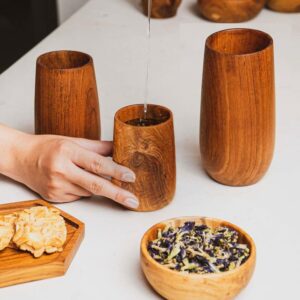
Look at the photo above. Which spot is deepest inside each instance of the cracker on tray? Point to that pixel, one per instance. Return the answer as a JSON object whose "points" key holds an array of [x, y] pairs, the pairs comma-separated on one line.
{"points": [[6, 229], [40, 229]]}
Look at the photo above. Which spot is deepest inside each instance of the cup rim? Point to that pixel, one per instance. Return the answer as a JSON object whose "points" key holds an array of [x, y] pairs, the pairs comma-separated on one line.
{"points": [[169, 119], [41, 64], [240, 29], [250, 261]]}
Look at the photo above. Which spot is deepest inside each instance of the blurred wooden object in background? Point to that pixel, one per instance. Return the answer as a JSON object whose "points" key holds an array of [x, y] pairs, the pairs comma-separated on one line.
{"points": [[230, 11], [284, 5], [161, 9]]}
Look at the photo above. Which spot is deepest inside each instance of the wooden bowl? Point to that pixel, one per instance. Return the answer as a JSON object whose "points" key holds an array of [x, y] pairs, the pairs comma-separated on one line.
{"points": [[284, 5], [161, 9], [174, 285], [230, 11]]}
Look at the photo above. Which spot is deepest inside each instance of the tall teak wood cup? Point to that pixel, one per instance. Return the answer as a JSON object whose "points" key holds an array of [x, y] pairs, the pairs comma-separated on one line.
{"points": [[66, 98], [150, 152], [238, 106]]}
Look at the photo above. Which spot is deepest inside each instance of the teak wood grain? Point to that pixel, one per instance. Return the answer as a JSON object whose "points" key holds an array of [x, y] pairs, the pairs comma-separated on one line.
{"points": [[66, 97], [237, 133], [175, 285], [150, 152], [162, 9], [284, 5], [230, 11], [20, 267]]}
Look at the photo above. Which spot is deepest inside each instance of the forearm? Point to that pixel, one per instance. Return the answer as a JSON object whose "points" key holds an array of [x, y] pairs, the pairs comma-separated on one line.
{"points": [[10, 143]]}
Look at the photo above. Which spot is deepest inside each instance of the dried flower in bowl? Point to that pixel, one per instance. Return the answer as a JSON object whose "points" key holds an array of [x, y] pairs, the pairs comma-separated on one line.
{"points": [[198, 249]]}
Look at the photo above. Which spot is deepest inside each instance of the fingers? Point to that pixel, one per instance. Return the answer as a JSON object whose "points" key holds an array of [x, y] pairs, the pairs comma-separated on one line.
{"points": [[102, 166], [73, 189], [102, 187], [63, 199], [67, 192], [101, 147]]}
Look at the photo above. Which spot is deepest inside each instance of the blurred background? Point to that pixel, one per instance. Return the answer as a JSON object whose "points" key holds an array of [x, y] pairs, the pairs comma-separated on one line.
{"points": [[23, 23]]}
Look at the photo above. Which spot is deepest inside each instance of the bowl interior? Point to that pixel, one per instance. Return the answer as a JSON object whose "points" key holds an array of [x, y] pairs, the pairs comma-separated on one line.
{"points": [[179, 285], [239, 41], [151, 234], [64, 59], [133, 112]]}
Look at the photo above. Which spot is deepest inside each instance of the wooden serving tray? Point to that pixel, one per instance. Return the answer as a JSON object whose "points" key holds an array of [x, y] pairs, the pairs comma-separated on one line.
{"points": [[19, 267]]}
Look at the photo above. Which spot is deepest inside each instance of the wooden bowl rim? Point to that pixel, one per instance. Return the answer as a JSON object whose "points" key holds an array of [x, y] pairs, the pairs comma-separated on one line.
{"points": [[247, 264], [89, 60], [256, 31], [170, 118]]}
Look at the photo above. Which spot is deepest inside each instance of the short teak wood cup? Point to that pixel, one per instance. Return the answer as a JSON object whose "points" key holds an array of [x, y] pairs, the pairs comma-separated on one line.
{"points": [[174, 285], [161, 9], [237, 133], [289, 6], [230, 11], [149, 151], [66, 97]]}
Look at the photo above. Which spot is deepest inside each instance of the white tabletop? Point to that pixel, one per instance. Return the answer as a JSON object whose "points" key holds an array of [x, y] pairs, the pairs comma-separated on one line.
{"points": [[113, 32]]}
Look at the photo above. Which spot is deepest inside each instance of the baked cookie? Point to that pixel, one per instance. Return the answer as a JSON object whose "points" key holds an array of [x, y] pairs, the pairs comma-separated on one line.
{"points": [[40, 229], [6, 229]]}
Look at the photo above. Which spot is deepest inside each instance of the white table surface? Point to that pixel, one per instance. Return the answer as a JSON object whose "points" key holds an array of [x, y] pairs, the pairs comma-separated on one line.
{"points": [[113, 32]]}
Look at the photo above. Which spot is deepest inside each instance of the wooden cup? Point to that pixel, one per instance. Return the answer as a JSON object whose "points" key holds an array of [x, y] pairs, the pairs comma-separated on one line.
{"points": [[289, 6], [238, 106], [230, 11], [150, 152], [66, 98], [161, 9]]}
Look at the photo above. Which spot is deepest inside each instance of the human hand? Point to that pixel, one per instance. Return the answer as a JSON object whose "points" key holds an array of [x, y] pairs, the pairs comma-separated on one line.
{"points": [[63, 169]]}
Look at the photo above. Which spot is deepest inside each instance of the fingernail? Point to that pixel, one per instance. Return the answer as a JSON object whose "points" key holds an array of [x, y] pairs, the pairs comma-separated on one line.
{"points": [[128, 177], [131, 202]]}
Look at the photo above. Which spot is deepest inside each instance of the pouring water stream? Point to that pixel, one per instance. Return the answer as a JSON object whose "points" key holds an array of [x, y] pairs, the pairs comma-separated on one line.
{"points": [[148, 59]]}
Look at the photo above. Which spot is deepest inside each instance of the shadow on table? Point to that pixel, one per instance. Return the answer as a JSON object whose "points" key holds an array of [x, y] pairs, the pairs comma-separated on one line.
{"points": [[188, 156], [99, 201], [136, 4], [5, 179], [146, 284]]}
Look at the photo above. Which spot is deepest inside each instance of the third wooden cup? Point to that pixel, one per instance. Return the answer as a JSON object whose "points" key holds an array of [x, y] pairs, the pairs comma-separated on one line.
{"points": [[149, 151]]}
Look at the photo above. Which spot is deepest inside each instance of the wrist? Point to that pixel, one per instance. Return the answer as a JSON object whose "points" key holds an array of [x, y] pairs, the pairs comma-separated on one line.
{"points": [[12, 148]]}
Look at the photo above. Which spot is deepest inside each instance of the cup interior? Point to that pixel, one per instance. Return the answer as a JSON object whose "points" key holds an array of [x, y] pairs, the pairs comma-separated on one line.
{"points": [[239, 41], [64, 60], [134, 112]]}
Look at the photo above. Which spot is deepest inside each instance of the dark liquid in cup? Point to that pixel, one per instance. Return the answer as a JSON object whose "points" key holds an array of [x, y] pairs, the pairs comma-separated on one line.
{"points": [[144, 122]]}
